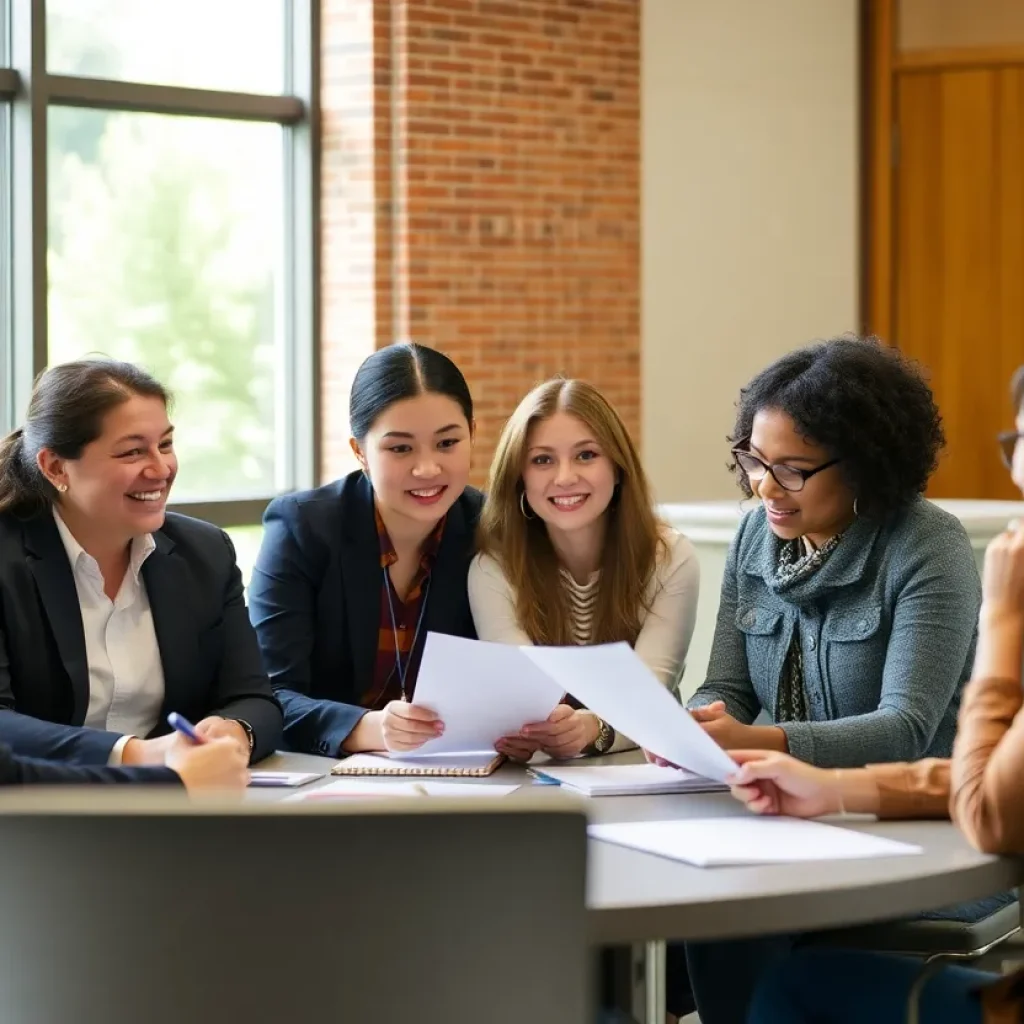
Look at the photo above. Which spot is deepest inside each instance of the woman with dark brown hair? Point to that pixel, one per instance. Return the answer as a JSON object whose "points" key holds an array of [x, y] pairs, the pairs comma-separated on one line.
{"points": [[114, 611]]}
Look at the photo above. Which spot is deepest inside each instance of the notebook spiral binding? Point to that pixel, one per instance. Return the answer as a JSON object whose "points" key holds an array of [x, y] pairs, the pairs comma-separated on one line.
{"points": [[488, 769]]}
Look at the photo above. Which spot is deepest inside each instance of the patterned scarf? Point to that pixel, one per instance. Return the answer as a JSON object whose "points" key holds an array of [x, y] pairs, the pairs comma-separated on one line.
{"points": [[796, 564]]}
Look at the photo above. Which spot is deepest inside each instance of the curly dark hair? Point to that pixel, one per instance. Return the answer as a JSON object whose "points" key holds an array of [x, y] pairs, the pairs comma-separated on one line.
{"points": [[866, 404]]}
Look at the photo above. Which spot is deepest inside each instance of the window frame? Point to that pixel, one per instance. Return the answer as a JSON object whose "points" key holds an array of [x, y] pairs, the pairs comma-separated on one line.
{"points": [[29, 91]]}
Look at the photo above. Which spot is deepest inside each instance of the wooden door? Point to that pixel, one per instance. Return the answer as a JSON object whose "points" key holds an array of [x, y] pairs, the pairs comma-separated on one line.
{"points": [[959, 257], [945, 215]]}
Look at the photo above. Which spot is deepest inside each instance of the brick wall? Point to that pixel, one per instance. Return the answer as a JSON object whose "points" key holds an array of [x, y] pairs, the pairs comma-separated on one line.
{"points": [[348, 213], [508, 235]]}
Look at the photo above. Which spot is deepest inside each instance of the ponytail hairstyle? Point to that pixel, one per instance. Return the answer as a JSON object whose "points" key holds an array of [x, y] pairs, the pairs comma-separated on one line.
{"points": [[65, 413]]}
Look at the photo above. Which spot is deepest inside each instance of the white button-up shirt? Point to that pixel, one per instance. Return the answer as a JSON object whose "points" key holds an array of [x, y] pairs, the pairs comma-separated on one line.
{"points": [[126, 676]]}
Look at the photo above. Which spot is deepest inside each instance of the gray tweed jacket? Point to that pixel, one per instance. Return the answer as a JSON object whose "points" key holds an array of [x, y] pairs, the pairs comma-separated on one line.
{"points": [[888, 627]]}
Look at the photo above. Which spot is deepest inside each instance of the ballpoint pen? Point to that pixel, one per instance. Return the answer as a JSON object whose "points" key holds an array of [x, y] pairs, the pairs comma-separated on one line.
{"points": [[181, 724]]}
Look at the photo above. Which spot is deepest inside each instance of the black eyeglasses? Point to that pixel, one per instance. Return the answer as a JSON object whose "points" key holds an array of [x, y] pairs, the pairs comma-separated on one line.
{"points": [[1008, 441], [789, 478]]}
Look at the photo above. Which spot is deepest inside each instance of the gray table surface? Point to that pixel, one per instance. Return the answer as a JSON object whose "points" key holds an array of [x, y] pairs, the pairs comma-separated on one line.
{"points": [[637, 897]]}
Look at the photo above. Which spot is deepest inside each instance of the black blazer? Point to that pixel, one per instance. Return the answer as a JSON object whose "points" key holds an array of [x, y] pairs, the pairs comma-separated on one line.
{"points": [[314, 599], [21, 771], [208, 650]]}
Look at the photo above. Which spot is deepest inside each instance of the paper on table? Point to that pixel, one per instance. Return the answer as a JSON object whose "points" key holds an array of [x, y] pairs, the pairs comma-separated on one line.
{"points": [[468, 789], [283, 780], [629, 779], [615, 684], [481, 691], [348, 788], [719, 842]]}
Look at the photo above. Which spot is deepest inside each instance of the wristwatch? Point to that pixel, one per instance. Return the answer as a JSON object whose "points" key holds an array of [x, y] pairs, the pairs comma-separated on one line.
{"points": [[251, 736], [603, 741]]}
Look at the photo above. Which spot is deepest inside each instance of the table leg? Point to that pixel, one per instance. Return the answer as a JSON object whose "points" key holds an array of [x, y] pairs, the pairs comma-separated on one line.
{"points": [[654, 982], [649, 972]]}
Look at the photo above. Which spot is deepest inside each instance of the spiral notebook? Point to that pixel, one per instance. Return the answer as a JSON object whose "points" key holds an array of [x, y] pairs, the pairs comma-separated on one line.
{"points": [[476, 764]]}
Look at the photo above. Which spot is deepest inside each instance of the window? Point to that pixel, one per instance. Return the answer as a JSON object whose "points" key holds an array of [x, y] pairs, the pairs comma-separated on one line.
{"points": [[205, 44], [246, 540], [163, 194], [164, 249]]}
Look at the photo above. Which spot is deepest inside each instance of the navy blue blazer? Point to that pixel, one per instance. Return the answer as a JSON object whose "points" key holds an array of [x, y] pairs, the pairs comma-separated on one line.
{"points": [[208, 651], [22, 771], [314, 599]]}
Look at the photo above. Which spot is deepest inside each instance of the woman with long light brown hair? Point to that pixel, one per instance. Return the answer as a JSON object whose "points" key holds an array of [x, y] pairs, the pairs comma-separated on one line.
{"points": [[572, 552]]}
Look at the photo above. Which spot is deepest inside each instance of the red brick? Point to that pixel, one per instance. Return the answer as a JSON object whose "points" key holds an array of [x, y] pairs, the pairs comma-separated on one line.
{"points": [[516, 243]]}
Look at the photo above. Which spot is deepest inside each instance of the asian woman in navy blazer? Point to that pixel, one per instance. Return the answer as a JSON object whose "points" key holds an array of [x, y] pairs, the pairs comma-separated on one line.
{"points": [[113, 612], [353, 575]]}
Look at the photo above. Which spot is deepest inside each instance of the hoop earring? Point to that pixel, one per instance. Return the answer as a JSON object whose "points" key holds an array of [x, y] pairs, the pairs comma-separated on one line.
{"points": [[62, 488], [855, 512], [522, 507]]}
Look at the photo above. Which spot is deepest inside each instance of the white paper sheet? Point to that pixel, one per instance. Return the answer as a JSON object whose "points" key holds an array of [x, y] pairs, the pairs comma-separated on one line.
{"points": [[628, 779], [282, 780], [481, 691], [345, 789], [719, 842], [614, 683]]}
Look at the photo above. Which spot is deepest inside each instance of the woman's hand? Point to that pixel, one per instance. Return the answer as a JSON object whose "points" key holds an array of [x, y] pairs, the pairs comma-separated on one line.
{"points": [[1003, 577], [772, 783], [406, 726], [707, 713], [218, 764], [730, 734], [154, 751], [214, 728], [566, 732], [518, 748]]}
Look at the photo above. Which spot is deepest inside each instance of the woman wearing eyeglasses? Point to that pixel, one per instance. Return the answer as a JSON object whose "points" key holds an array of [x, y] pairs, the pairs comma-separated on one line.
{"points": [[979, 788], [849, 604]]}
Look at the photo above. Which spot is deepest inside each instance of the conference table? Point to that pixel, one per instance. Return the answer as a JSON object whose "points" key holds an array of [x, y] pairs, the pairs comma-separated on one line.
{"points": [[642, 900]]}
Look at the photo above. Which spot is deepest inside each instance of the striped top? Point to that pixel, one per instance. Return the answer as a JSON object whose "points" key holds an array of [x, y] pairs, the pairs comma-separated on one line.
{"points": [[582, 602], [666, 620]]}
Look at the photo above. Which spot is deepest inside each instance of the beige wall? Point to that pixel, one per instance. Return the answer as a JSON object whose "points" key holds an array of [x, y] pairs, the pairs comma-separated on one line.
{"points": [[750, 211]]}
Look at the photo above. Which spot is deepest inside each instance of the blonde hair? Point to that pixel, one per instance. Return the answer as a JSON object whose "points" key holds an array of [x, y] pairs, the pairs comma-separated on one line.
{"points": [[634, 540]]}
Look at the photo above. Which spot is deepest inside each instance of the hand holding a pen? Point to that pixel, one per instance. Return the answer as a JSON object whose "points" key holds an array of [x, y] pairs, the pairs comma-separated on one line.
{"points": [[216, 765], [206, 764]]}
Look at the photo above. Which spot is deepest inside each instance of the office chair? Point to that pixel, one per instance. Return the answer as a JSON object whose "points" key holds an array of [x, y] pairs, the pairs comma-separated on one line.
{"points": [[936, 943]]}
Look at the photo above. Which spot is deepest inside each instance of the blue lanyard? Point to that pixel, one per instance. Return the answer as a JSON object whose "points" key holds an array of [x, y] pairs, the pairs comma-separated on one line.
{"points": [[403, 670]]}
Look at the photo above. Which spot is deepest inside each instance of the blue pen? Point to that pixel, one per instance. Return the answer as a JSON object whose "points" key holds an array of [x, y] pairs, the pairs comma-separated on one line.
{"points": [[181, 724], [541, 779]]}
